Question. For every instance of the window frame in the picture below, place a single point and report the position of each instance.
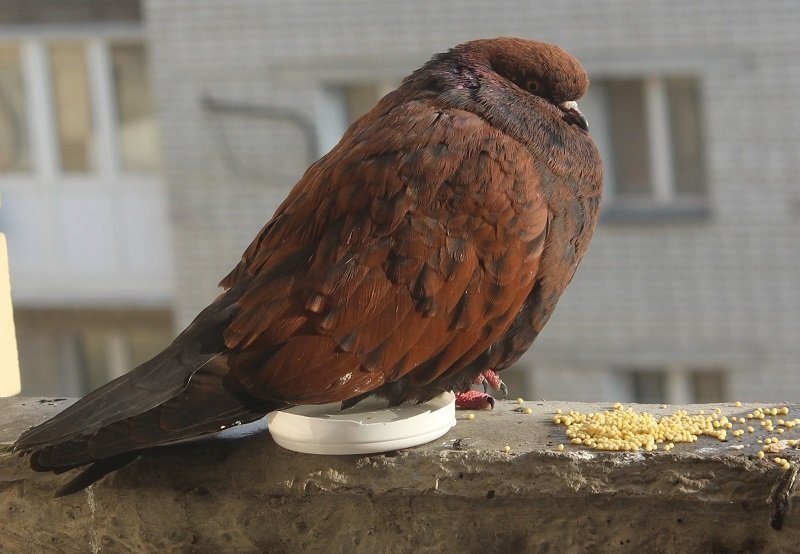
(678, 380)
(42, 123)
(31, 160)
(664, 204)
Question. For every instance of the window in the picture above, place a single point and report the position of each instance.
(708, 386)
(678, 385)
(136, 125)
(88, 105)
(650, 135)
(72, 106)
(648, 387)
(15, 152)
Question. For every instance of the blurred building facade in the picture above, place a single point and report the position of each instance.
(690, 289)
(84, 204)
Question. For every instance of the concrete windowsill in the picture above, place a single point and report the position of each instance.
(461, 493)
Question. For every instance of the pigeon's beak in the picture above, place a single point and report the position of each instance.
(573, 115)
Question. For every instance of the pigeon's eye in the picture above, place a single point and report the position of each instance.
(533, 86)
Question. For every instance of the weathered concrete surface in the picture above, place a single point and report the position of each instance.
(461, 493)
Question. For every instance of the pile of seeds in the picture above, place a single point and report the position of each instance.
(624, 429)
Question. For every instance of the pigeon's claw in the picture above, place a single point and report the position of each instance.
(503, 389)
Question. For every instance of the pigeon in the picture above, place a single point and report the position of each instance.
(430, 245)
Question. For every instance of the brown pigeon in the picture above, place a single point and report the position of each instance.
(431, 244)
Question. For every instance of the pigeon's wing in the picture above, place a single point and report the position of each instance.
(570, 227)
(406, 251)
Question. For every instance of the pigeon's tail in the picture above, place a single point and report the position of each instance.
(183, 392)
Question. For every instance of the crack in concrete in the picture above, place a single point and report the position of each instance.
(94, 543)
(782, 497)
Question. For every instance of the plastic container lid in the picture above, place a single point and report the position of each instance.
(366, 428)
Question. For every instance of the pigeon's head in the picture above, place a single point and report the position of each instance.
(518, 68)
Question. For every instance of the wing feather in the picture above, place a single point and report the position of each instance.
(400, 260)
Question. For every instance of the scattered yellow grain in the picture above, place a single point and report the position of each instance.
(780, 430)
(737, 404)
(741, 420)
(528, 411)
(783, 462)
(470, 416)
(760, 454)
(558, 411)
(624, 429)
(738, 433)
(561, 447)
(506, 449)
(750, 429)
(520, 400)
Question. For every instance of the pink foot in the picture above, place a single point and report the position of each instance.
(474, 400)
(493, 380)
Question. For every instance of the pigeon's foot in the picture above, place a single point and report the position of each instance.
(474, 400)
(490, 378)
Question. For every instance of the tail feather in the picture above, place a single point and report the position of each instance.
(184, 392)
(205, 406)
(147, 386)
(95, 472)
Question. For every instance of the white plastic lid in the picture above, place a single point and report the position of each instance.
(366, 428)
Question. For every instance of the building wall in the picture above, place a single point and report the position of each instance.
(719, 291)
(84, 207)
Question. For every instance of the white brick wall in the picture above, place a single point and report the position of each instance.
(724, 291)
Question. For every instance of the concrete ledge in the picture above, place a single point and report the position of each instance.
(462, 493)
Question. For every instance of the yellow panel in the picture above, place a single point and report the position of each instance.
(9, 362)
